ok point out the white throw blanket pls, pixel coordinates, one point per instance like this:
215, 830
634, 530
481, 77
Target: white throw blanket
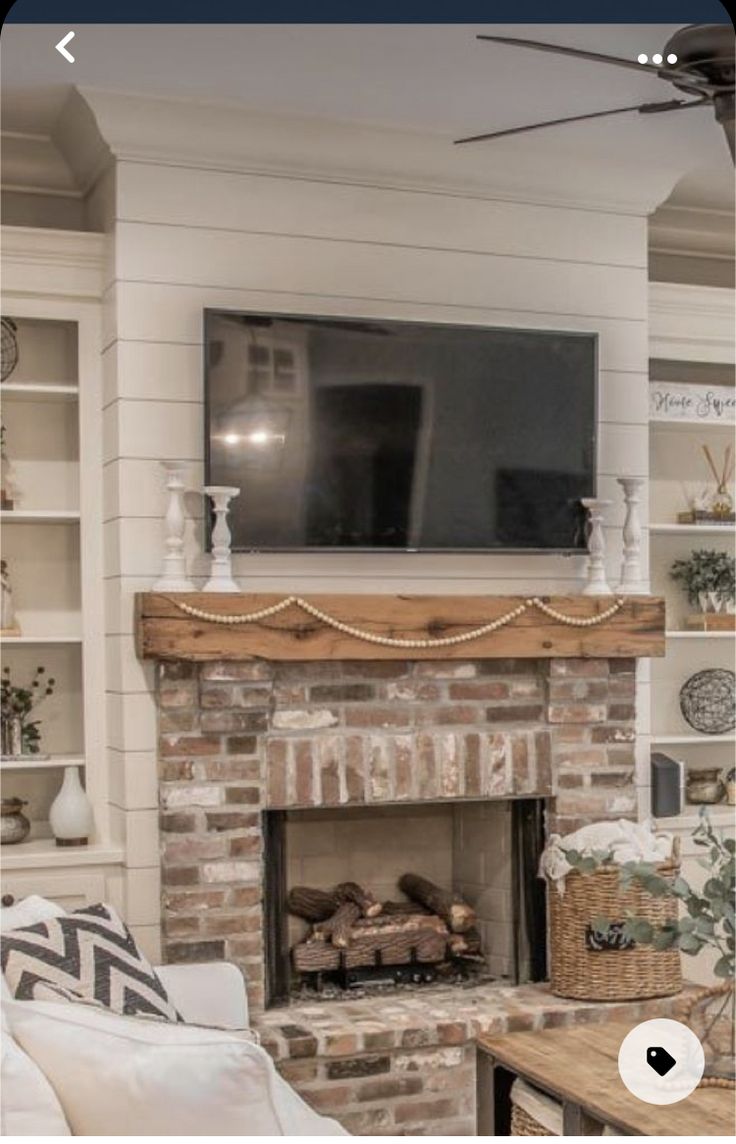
624, 841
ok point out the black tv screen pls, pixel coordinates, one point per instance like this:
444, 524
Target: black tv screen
351, 434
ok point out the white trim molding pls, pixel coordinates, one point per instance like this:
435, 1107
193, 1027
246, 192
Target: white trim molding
225, 137
55, 263
691, 323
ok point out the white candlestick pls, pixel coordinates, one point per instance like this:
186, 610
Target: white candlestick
221, 579
596, 572
173, 576
631, 577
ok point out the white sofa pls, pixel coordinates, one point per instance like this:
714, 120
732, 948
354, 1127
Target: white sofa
211, 995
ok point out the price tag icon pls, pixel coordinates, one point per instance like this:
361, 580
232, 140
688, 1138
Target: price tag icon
660, 1060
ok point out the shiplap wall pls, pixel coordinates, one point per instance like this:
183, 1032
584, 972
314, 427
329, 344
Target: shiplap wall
186, 239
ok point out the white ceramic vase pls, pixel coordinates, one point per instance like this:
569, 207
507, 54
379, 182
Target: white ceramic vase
71, 812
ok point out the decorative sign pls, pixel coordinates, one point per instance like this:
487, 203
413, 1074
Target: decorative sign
612, 938
699, 404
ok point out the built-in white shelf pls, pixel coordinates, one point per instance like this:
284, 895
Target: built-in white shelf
43, 852
720, 814
691, 740
32, 763
690, 426
39, 516
37, 391
695, 635
29, 641
691, 529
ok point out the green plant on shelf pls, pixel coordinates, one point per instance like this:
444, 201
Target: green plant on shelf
17, 705
706, 571
707, 920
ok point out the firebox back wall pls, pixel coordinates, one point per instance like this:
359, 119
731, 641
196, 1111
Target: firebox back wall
463, 846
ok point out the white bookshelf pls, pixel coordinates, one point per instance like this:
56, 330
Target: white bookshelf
693, 740
695, 635
42, 854
31, 763
725, 531
39, 391
691, 339
40, 516
52, 536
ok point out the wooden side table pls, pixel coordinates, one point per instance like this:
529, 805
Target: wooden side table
579, 1068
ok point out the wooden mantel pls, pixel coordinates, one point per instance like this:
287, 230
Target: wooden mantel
165, 632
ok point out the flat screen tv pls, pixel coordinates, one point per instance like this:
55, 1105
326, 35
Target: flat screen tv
351, 434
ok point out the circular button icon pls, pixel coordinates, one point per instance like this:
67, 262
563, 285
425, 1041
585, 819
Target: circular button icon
661, 1061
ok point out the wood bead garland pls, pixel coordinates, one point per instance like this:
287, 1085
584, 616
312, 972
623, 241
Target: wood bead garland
390, 641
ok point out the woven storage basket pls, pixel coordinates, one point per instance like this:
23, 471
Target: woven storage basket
522, 1124
609, 974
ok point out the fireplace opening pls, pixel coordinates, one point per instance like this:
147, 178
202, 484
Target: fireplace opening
359, 899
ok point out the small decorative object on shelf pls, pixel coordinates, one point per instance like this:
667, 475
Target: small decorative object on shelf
221, 579
707, 701
8, 623
21, 735
173, 576
596, 575
711, 621
9, 347
709, 579
71, 812
14, 826
731, 787
704, 786
7, 486
722, 502
631, 578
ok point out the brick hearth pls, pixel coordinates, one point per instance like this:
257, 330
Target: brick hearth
408, 1067
239, 738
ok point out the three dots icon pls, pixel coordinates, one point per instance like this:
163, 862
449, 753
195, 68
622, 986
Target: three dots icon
657, 58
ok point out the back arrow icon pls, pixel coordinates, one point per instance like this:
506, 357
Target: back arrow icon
61, 47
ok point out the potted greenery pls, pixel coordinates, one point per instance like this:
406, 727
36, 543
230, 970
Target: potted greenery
708, 578
705, 921
21, 734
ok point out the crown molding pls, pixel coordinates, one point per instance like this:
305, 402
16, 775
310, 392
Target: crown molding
691, 323
691, 231
96, 125
53, 262
33, 164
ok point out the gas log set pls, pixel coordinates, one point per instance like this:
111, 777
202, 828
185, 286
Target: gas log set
356, 940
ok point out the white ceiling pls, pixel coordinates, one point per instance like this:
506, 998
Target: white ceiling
432, 78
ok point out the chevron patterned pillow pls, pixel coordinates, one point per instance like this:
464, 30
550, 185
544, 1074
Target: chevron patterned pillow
91, 953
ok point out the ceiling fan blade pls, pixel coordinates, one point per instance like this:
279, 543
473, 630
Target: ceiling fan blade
580, 53
643, 108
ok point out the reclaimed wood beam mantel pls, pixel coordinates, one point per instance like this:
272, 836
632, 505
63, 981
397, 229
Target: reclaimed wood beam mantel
165, 631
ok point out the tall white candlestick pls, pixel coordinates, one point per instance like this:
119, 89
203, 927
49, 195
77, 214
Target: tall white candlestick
596, 572
631, 577
221, 579
173, 576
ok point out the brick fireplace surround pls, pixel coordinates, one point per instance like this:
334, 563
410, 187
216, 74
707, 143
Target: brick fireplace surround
239, 737
245, 731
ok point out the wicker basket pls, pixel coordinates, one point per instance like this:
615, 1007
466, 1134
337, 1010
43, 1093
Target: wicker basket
609, 974
522, 1124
